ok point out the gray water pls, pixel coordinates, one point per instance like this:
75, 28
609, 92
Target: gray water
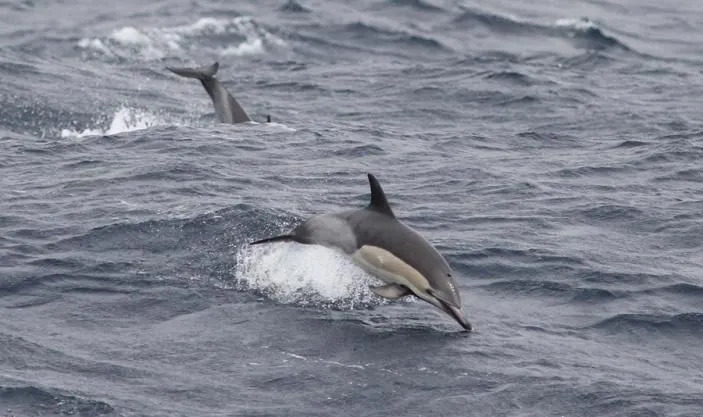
550, 150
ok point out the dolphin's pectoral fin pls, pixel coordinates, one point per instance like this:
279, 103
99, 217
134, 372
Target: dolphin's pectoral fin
391, 291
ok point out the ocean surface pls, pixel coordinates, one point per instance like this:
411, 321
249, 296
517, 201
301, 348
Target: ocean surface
551, 150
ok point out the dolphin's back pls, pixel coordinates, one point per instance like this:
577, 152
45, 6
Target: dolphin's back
227, 108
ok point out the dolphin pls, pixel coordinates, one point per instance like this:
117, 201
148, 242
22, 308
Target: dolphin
227, 108
387, 249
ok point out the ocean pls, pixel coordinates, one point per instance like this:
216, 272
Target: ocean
551, 151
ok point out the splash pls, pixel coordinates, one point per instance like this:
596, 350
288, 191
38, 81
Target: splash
306, 275
158, 43
125, 119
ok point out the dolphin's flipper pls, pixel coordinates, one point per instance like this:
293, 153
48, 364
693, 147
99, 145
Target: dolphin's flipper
227, 108
391, 291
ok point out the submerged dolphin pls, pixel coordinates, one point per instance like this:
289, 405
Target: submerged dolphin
226, 107
387, 249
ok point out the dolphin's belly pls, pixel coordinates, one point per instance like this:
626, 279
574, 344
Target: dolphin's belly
390, 269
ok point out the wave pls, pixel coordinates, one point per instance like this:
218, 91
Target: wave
542, 288
376, 33
26, 400
419, 5
631, 144
685, 323
159, 43
609, 212
684, 289
589, 32
582, 33
511, 77
530, 287
293, 6
370, 38
620, 278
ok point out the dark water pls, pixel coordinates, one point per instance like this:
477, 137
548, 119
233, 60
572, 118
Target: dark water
552, 152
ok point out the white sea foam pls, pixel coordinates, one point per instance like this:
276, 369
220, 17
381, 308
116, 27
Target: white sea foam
125, 119
276, 127
129, 35
248, 47
291, 273
578, 24
158, 43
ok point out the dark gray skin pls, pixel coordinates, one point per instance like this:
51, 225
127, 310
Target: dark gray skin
376, 226
227, 108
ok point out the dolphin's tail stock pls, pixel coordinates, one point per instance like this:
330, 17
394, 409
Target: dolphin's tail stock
203, 73
227, 108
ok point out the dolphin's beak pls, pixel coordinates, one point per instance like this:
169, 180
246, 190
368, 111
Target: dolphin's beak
457, 314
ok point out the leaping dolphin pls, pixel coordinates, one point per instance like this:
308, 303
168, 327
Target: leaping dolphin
386, 248
227, 108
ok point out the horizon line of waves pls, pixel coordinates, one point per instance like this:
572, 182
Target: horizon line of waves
152, 44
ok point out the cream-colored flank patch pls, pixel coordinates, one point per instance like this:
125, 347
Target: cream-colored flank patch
391, 269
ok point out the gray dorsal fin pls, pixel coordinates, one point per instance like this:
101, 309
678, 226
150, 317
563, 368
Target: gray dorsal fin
378, 198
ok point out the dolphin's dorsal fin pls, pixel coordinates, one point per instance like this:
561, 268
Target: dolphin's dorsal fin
378, 198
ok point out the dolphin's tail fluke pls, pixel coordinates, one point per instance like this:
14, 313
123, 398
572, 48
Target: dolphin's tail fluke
282, 238
205, 72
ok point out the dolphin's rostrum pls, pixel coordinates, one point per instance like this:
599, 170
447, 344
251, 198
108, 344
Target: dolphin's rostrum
227, 108
386, 248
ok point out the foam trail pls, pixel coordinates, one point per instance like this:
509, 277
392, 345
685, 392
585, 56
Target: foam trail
307, 275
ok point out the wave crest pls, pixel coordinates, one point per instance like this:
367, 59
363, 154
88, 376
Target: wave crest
159, 43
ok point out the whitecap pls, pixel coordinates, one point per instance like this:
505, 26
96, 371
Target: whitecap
159, 43
578, 24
